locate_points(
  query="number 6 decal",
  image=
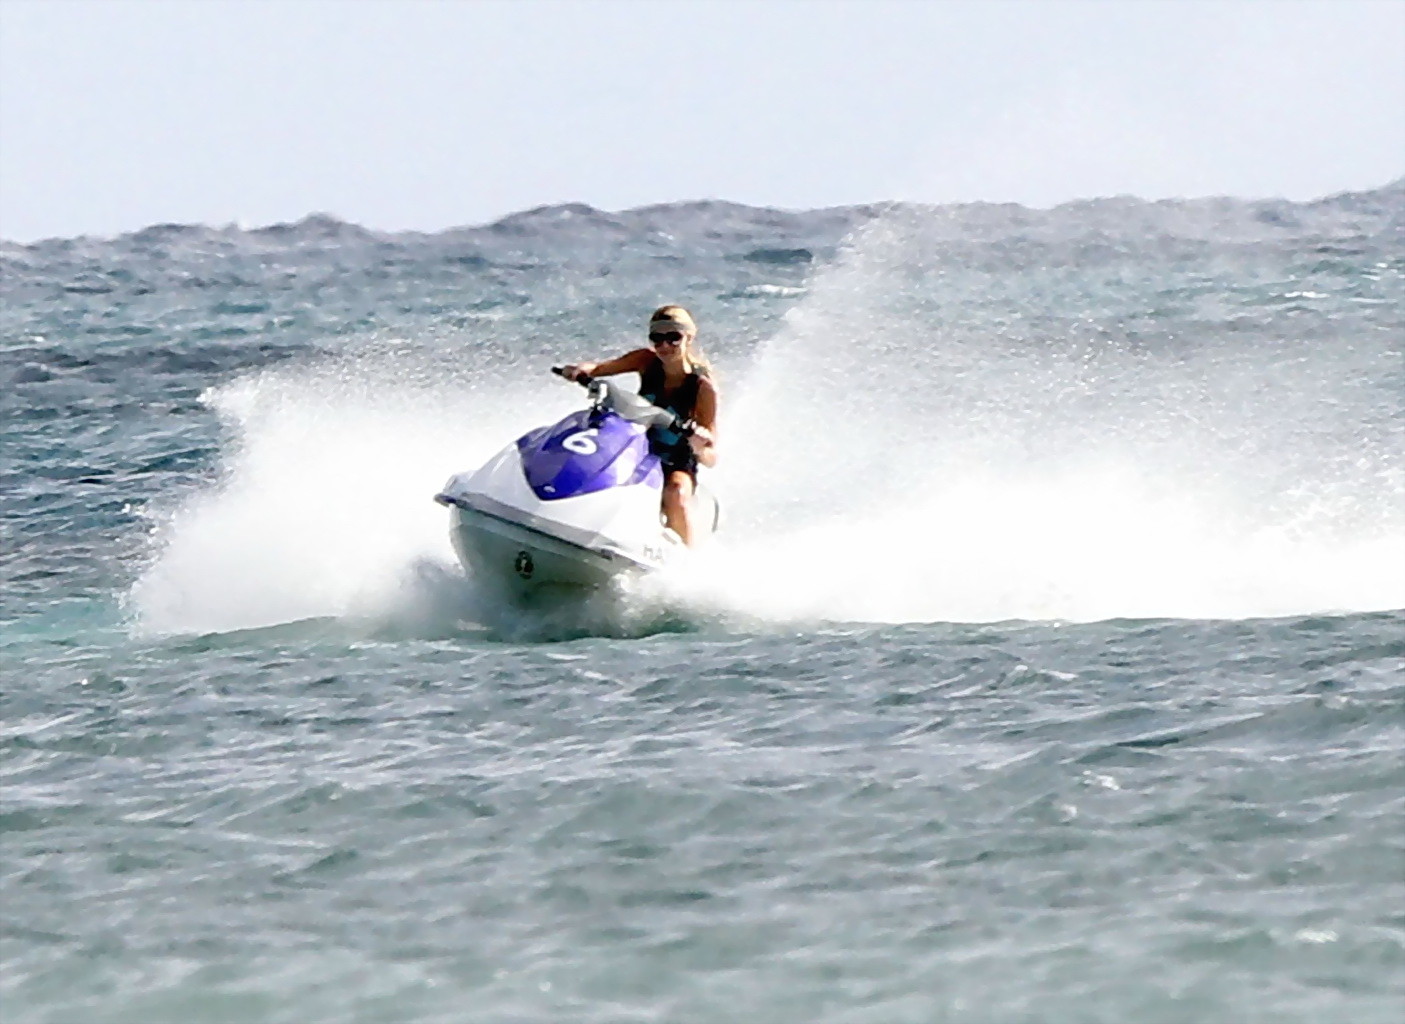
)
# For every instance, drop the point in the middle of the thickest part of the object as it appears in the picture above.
(582, 442)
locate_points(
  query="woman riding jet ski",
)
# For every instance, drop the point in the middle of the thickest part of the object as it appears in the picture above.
(676, 377)
(578, 503)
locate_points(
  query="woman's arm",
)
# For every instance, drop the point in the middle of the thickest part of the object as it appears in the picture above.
(630, 362)
(704, 436)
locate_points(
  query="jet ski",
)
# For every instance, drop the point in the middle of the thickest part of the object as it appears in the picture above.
(574, 504)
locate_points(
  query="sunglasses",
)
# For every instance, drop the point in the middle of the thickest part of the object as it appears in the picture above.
(666, 337)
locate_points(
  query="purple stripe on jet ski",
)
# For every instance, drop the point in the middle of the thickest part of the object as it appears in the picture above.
(577, 456)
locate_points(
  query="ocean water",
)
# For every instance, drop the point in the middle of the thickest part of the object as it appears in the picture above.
(1047, 668)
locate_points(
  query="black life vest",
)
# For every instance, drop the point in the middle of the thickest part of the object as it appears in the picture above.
(682, 401)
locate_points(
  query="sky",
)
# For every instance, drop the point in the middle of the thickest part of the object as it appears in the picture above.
(429, 114)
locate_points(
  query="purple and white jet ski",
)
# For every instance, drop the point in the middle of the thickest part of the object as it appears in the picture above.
(573, 504)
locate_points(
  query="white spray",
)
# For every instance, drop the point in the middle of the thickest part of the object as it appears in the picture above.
(904, 449)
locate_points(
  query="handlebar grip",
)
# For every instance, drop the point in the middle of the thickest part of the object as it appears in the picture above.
(560, 371)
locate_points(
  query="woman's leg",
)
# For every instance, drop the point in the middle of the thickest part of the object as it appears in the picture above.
(678, 504)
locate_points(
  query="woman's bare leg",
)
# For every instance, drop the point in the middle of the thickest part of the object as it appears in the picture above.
(678, 504)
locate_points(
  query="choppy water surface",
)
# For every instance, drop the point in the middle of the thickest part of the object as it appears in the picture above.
(1049, 667)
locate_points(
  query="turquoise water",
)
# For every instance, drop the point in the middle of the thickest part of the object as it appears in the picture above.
(1048, 666)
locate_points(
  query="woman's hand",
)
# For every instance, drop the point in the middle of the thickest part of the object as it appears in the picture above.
(701, 440)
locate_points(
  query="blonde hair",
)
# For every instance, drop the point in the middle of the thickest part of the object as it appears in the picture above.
(683, 319)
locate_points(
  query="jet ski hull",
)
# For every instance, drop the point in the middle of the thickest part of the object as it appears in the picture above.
(524, 552)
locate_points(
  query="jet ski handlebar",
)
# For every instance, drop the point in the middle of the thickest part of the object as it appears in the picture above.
(626, 403)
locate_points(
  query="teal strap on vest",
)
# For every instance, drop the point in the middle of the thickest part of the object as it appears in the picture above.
(684, 400)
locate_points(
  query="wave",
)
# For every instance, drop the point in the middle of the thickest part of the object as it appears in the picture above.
(1051, 425)
(1368, 211)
